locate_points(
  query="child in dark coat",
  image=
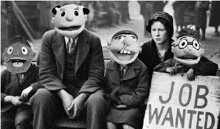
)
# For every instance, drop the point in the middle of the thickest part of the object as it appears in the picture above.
(188, 57)
(128, 82)
(18, 83)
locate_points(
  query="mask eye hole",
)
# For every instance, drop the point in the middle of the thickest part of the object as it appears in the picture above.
(63, 14)
(134, 38)
(182, 44)
(76, 13)
(196, 45)
(121, 37)
(116, 37)
(10, 50)
(24, 50)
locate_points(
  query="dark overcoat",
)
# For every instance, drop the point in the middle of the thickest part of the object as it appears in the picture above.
(11, 84)
(200, 13)
(131, 90)
(214, 17)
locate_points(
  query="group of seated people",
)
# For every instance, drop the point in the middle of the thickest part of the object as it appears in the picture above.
(72, 81)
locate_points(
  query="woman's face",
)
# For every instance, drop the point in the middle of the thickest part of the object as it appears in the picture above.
(159, 33)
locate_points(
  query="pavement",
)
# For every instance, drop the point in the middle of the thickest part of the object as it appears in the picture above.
(211, 45)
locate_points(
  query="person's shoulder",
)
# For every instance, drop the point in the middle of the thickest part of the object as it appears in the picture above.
(139, 64)
(89, 34)
(5, 72)
(111, 64)
(147, 44)
(147, 47)
(50, 32)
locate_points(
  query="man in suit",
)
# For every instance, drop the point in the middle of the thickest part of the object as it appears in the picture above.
(71, 71)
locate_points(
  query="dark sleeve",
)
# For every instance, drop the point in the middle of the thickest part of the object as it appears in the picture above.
(163, 66)
(106, 82)
(3, 83)
(142, 54)
(205, 67)
(96, 67)
(36, 85)
(139, 95)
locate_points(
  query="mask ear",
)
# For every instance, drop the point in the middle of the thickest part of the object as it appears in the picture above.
(52, 20)
(86, 11)
(172, 48)
(108, 43)
(202, 50)
(54, 10)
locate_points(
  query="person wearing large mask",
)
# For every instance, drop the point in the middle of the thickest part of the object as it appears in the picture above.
(71, 69)
(157, 50)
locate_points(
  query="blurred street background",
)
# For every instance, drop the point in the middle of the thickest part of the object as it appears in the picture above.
(32, 18)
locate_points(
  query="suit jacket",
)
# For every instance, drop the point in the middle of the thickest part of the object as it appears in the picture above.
(133, 88)
(89, 64)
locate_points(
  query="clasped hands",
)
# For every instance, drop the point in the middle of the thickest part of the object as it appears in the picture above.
(114, 96)
(72, 106)
(18, 100)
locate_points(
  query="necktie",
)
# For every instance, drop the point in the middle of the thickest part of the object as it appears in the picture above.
(123, 71)
(70, 46)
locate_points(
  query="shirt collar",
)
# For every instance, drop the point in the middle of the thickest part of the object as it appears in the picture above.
(67, 40)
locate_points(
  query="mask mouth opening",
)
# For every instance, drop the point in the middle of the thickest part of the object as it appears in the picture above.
(70, 28)
(188, 57)
(17, 62)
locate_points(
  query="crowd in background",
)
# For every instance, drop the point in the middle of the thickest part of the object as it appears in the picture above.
(186, 13)
(106, 13)
(195, 13)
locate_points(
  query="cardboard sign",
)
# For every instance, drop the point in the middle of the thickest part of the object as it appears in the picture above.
(177, 103)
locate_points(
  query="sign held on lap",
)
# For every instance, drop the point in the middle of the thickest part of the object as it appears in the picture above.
(176, 103)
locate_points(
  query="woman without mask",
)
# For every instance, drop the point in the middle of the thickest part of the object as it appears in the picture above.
(157, 50)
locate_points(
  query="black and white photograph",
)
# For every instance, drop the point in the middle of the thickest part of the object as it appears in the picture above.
(103, 64)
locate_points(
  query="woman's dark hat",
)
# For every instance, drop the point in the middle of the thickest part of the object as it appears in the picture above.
(125, 32)
(159, 15)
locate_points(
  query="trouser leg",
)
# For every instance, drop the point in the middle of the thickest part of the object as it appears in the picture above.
(7, 122)
(46, 107)
(97, 110)
(23, 118)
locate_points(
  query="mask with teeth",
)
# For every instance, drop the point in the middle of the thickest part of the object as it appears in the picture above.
(18, 55)
(124, 47)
